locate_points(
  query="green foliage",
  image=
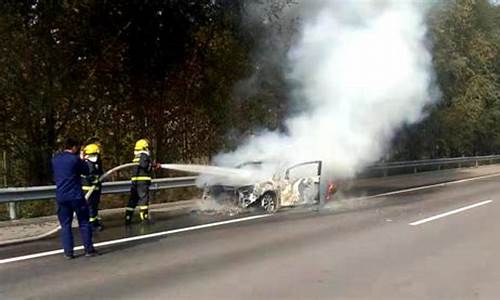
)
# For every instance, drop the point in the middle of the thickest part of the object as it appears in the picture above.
(466, 49)
(115, 71)
(174, 71)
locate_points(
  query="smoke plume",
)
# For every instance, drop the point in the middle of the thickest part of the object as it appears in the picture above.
(359, 70)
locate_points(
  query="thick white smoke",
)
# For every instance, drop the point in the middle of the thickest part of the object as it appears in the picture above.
(361, 70)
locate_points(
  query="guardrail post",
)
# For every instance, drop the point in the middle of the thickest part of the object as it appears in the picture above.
(11, 205)
(415, 170)
(12, 210)
(477, 163)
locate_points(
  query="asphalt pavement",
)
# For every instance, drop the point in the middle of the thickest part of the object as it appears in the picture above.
(357, 248)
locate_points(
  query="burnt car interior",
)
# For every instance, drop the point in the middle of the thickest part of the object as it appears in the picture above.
(295, 185)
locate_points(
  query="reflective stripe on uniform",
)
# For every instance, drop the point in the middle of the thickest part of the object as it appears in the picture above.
(141, 178)
(137, 159)
(129, 208)
(93, 219)
(144, 215)
(88, 188)
(143, 207)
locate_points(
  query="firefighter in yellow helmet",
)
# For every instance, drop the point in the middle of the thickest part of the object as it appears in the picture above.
(141, 180)
(92, 157)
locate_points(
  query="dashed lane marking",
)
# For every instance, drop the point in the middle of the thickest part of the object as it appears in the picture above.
(455, 211)
(426, 187)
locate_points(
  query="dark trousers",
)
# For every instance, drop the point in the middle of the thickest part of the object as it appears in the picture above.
(139, 195)
(94, 200)
(65, 212)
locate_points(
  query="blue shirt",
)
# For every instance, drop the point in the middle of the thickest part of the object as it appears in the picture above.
(67, 168)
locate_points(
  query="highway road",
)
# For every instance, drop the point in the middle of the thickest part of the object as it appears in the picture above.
(439, 242)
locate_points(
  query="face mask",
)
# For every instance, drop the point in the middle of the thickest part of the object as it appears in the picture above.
(142, 151)
(93, 158)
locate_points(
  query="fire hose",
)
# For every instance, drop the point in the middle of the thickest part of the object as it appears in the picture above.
(185, 168)
(55, 230)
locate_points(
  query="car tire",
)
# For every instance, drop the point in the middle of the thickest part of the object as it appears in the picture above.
(269, 202)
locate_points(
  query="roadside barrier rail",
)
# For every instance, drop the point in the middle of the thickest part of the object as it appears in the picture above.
(433, 162)
(19, 194)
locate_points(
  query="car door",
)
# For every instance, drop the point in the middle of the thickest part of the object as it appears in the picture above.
(301, 184)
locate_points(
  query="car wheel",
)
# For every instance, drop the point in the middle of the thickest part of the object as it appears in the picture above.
(269, 202)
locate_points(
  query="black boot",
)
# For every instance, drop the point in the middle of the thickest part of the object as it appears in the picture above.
(128, 217)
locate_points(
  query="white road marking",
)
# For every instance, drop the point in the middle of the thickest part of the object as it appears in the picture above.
(456, 211)
(425, 187)
(135, 238)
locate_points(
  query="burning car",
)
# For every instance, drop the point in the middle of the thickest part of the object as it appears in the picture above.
(292, 186)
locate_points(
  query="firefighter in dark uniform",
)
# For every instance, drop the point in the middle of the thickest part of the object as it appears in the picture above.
(90, 182)
(141, 180)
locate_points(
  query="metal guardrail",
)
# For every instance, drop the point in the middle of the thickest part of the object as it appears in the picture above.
(49, 192)
(11, 195)
(385, 167)
(433, 162)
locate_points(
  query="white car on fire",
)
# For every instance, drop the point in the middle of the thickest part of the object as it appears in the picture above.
(292, 186)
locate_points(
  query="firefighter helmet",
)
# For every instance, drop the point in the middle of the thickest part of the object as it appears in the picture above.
(141, 144)
(91, 149)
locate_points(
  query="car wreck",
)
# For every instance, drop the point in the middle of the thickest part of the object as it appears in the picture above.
(290, 186)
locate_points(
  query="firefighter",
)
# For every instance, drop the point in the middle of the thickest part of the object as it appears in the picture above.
(141, 180)
(92, 157)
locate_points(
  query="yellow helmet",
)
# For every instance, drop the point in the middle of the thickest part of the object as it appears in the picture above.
(141, 144)
(91, 149)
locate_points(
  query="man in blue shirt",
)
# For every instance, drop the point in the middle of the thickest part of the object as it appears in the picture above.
(68, 168)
